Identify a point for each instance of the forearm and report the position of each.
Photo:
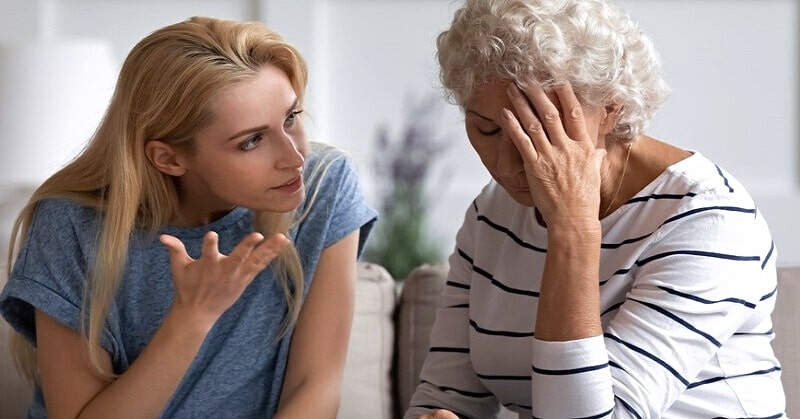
(313, 398)
(145, 388)
(569, 298)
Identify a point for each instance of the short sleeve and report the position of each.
(50, 271)
(335, 205)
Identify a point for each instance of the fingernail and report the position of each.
(507, 114)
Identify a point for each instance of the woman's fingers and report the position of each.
(243, 250)
(210, 246)
(528, 118)
(266, 252)
(522, 141)
(249, 257)
(573, 119)
(547, 111)
(177, 251)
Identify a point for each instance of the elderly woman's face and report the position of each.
(483, 113)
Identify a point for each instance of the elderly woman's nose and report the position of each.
(509, 162)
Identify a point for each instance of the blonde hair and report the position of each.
(590, 43)
(164, 91)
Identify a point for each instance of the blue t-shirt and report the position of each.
(239, 369)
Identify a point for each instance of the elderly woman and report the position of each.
(602, 272)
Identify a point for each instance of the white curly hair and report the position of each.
(592, 44)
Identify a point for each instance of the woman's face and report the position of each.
(252, 153)
(483, 113)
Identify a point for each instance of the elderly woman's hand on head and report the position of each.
(562, 163)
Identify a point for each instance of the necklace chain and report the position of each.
(621, 180)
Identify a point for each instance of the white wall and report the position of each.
(733, 67)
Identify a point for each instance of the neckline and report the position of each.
(672, 169)
(221, 224)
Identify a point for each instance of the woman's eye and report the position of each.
(489, 133)
(292, 118)
(250, 143)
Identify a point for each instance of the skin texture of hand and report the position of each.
(211, 284)
(561, 162)
(440, 414)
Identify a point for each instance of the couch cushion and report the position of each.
(786, 318)
(416, 313)
(366, 385)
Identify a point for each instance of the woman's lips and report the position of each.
(292, 186)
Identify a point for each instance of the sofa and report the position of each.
(390, 339)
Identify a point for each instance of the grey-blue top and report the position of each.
(239, 370)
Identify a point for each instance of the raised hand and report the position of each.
(561, 162)
(210, 285)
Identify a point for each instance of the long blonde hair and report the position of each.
(163, 92)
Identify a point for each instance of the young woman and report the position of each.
(602, 273)
(198, 258)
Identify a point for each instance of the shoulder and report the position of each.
(63, 208)
(695, 184)
(700, 204)
(334, 204)
(700, 176)
(54, 215)
(324, 158)
(330, 174)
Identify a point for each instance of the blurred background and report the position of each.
(374, 91)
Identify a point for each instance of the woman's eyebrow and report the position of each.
(470, 111)
(264, 127)
(247, 131)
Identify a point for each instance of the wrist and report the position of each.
(575, 228)
(188, 323)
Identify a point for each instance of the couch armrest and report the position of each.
(366, 384)
(785, 320)
(416, 313)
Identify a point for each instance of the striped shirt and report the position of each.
(687, 285)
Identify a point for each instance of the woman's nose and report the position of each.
(289, 155)
(509, 162)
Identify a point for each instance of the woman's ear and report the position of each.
(164, 158)
(611, 117)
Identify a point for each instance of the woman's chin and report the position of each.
(523, 197)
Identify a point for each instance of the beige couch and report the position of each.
(390, 340)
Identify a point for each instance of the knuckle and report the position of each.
(534, 128)
(576, 113)
(551, 116)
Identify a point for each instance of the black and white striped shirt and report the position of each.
(687, 285)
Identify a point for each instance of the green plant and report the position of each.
(403, 167)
